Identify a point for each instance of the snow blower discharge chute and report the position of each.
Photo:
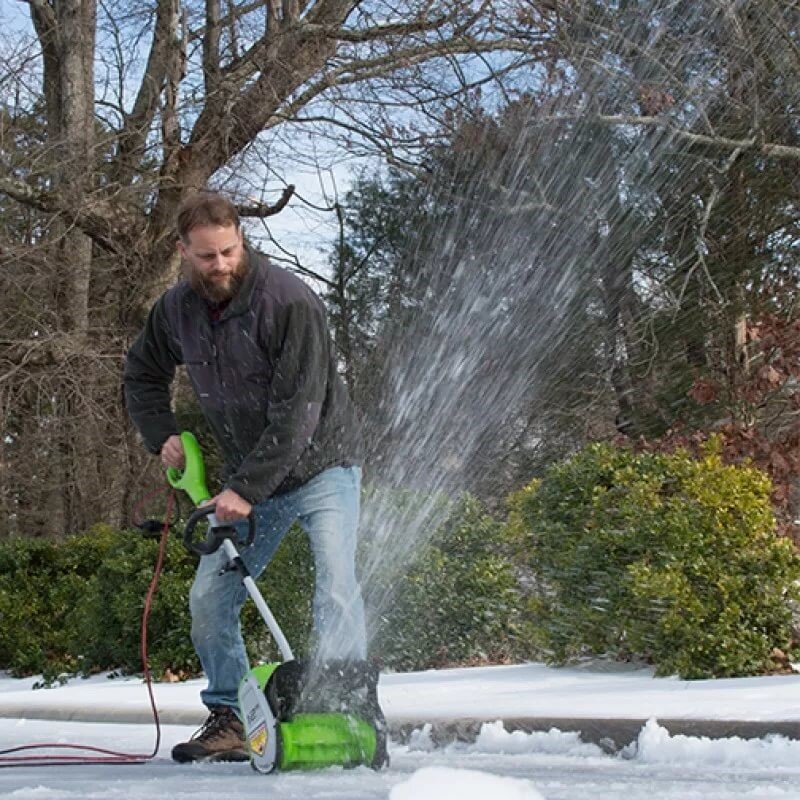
(296, 715)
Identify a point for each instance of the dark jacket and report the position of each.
(264, 375)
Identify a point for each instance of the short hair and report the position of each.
(205, 208)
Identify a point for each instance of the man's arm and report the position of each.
(296, 396)
(149, 372)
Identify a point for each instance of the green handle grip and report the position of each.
(192, 479)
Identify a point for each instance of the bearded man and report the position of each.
(255, 343)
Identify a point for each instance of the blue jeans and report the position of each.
(327, 507)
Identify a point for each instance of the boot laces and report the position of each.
(217, 722)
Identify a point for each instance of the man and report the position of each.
(255, 343)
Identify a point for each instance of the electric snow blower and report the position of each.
(296, 715)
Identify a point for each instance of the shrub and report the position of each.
(657, 556)
(31, 596)
(458, 601)
(105, 624)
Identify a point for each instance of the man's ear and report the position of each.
(181, 247)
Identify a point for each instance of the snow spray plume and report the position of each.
(538, 237)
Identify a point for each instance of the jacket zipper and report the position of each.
(218, 370)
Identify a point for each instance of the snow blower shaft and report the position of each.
(221, 536)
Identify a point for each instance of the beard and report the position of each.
(211, 287)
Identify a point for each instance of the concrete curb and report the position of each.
(611, 734)
(120, 715)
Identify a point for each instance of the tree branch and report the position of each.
(273, 17)
(199, 33)
(211, 47)
(765, 148)
(294, 262)
(170, 121)
(701, 246)
(291, 11)
(138, 122)
(46, 27)
(326, 14)
(359, 70)
(262, 210)
(381, 146)
(93, 223)
(379, 32)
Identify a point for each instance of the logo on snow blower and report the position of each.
(258, 740)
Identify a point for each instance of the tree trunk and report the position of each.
(69, 92)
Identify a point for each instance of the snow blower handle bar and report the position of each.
(192, 479)
(217, 533)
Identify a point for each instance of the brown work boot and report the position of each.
(220, 739)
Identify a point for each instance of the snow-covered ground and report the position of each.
(498, 766)
(596, 690)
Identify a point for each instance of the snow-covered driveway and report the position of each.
(554, 766)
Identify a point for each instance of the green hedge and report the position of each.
(76, 605)
(662, 557)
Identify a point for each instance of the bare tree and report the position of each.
(144, 102)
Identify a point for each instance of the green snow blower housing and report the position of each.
(296, 715)
(290, 724)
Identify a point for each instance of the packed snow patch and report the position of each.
(421, 739)
(446, 783)
(494, 738)
(656, 745)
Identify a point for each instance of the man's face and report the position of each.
(214, 261)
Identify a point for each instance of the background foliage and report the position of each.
(459, 601)
(660, 557)
(652, 145)
(76, 605)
